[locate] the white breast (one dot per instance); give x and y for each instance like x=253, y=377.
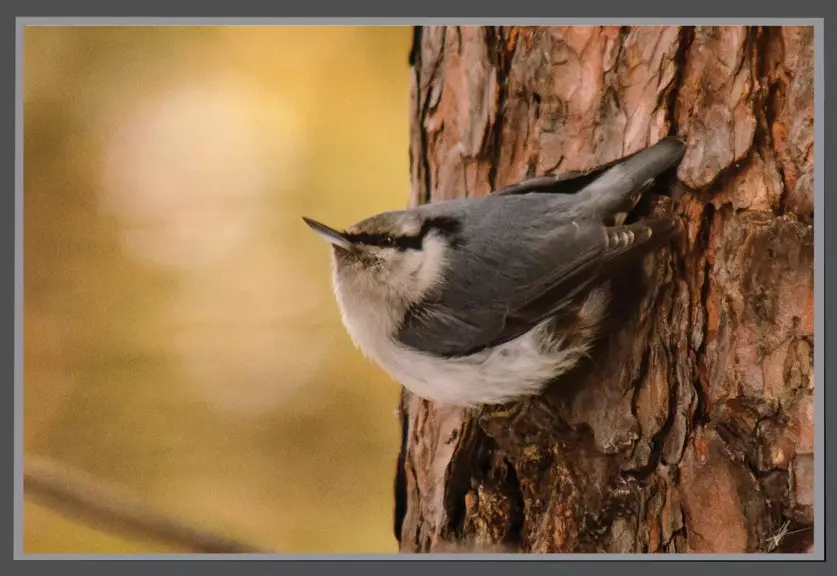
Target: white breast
x=520, y=367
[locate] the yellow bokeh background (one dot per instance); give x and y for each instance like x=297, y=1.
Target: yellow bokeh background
x=180, y=335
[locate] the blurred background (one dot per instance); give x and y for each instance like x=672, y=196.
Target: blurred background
x=181, y=340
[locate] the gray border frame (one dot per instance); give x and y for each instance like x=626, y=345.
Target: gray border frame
x=648, y=563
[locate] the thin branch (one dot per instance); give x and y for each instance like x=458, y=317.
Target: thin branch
x=88, y=499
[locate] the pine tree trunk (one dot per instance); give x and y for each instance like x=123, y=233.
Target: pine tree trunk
x=691, y=429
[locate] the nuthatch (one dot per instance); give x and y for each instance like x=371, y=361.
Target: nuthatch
x=481, y=301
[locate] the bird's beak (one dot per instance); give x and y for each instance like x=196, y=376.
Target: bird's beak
x=330, y=235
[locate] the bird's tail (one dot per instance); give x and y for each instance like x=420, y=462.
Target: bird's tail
x=619, y=186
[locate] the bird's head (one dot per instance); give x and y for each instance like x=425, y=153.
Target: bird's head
x=398, y=254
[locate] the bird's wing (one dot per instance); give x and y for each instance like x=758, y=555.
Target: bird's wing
x=507, y=298
x=568, y=182
x=619, y=177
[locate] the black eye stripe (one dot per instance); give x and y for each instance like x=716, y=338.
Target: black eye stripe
x=448, y=227
x=400, y=242
x=372, y=239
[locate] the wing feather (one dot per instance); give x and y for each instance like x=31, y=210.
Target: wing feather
x=507, y=300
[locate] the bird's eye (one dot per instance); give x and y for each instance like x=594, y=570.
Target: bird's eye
x=389, y=241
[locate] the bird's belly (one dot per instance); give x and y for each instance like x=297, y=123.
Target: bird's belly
x=520, y=367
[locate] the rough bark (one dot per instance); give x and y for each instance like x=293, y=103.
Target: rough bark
x=691, y=429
